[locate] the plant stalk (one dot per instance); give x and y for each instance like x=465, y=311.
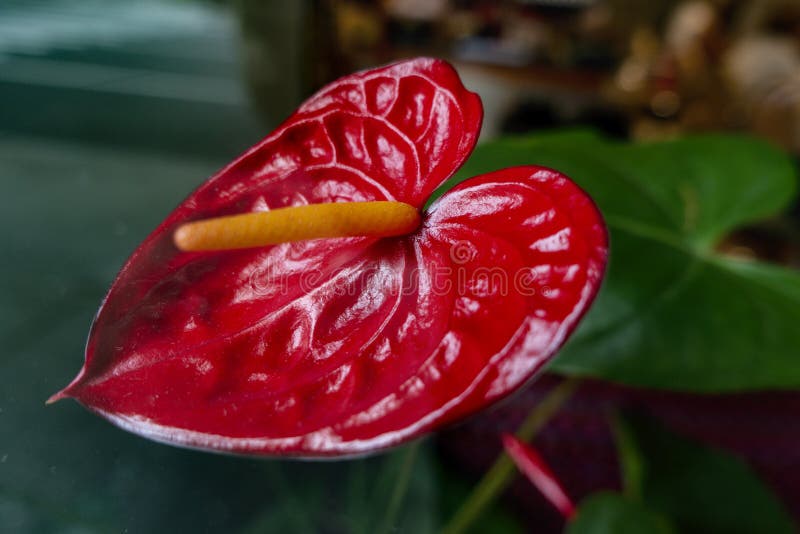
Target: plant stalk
x=400, y=488
x=499, y=475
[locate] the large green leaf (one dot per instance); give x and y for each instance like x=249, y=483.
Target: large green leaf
x=611, y=513
x=673, y=313
x=702, y=490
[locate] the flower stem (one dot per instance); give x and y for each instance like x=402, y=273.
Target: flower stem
x=499, y=475
x=400, y=488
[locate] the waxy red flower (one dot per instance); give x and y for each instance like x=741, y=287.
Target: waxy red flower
x=347, y=345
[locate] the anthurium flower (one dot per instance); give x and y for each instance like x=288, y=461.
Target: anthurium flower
x=348, y=343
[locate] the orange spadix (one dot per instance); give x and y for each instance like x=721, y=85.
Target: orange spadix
x=298, y=223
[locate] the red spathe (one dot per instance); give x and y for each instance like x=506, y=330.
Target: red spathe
x=344, y=346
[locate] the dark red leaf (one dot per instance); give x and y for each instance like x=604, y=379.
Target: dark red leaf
x=342, y=346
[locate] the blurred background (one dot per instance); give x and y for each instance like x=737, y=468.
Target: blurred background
x=210, y=77
x=111, y=111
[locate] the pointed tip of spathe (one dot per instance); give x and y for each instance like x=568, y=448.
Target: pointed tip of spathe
x=56, y=397
x=69, y=391
x=62, y=394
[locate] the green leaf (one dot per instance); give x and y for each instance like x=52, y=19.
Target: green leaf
x=611, y=513
x=673, y=313
x=703, y=490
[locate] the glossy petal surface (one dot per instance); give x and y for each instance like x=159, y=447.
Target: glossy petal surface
x=343, y=346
